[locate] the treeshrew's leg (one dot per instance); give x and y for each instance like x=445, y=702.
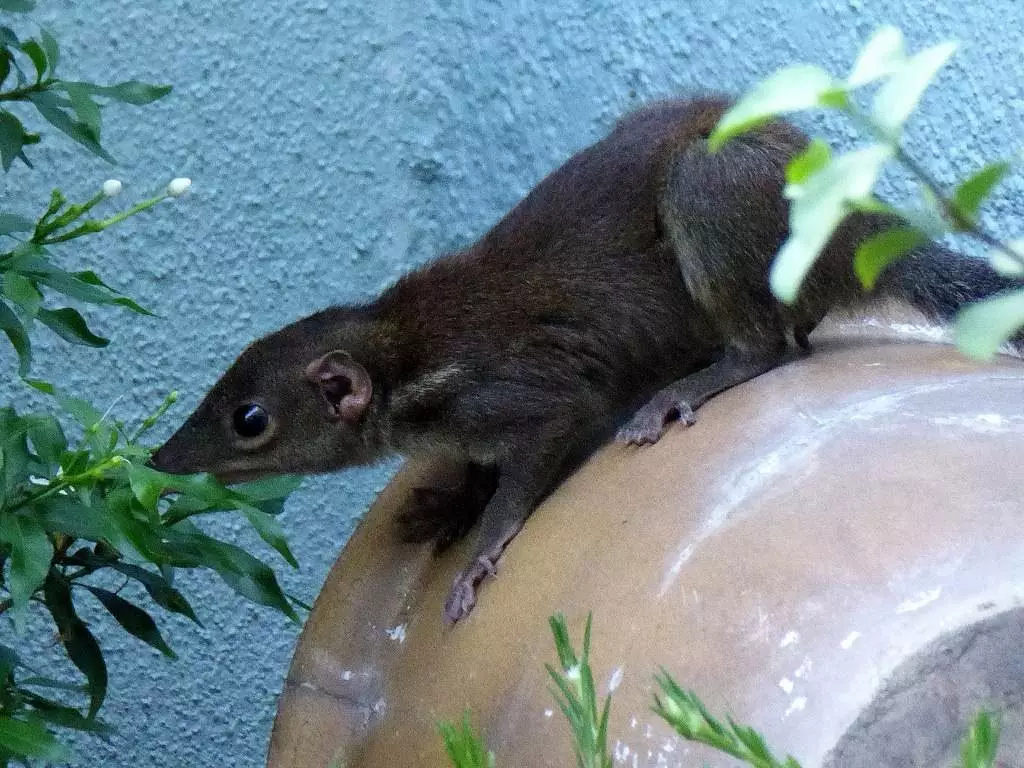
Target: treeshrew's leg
x=679, y=400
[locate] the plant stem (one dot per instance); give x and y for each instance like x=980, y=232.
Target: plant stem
x=98, y=225
x=19, y=94
x=949, y=209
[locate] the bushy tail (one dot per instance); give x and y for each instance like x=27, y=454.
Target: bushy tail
x=939, y=282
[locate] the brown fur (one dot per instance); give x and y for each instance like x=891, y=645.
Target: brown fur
x=641, y=261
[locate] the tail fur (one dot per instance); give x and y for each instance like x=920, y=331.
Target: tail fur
x=939, y=282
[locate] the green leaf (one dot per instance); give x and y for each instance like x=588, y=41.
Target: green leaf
x=70, y=326
x=132, y=619
x=8, y=663
x=880, y=250
x=83, y=286
x=91, y=278
x=984, y=326
x=163, y=594
x=31, y=554
x=68, y=515
x=12, y=139
x=972, y=193
x=5, y=64
x=14, y=447
x=12, y=222
x=22, y=292
x=881, y=56
x=35, y=51
x=63, y=716
x=30, y=739
x=86, y=110
x=464, y=746
x=980, y=744
x=49, y=107
x=16, y=334
x=46, y=436
x=17, y=6
x=789, y=90
x=899, y=95
x=271, y=532
x=147, y=484
x=246, y=575
x=51, y=49
x=807, y=163
x=818, y=206
x=275, y=487
x=82, y=411
x=81, y=646
x=130, y=92
x=1006, y=265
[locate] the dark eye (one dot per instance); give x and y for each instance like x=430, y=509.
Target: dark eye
x=251, y=420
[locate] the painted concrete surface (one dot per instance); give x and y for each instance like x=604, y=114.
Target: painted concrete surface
x=333, y=145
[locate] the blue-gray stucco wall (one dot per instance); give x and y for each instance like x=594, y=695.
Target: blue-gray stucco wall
x=334, y=145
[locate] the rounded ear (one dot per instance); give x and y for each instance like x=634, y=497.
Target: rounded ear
x=343, y=384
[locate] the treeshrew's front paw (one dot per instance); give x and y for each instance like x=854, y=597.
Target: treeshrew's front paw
x=650, y=422
x=462, y=597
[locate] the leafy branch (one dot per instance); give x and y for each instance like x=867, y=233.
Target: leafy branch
x=824, y=189
x=72, y=107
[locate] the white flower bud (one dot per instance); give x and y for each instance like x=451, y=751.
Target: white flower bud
x=178, y=187
x=111, y=188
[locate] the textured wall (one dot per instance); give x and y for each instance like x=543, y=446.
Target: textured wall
x=333, y=145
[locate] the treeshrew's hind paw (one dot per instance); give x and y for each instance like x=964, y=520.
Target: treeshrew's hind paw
x=650, y=422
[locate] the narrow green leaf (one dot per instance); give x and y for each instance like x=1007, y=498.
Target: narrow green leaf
x=246, y=575
x=818, y=206
x=91, y=278
x=984, y=326
x=80, y=410
x=31, y=554
x=46, y=436
x=130, y=92
x=68, y=515
x=271, y=532
x=1007, y=265
x=132, y=619
x=86, y=110
x=14, y=468
x=70, y=326
x=789, y=90
x=972, y=193
x=50, y=108
x=163, y=594
x=30, y=739
x=62, y=716
x=980, y=744
x=12, y=222
x=880, y=250
x=8, y=663
x=51, y=49
x=807, y=163
x=17, y=6
x=269, y=488
x=16, y=334
x=81, y=646
x=5, y=64
x=900, y=94
x=35, y=52
x=881, y=56
x=12, y=139
x=22, y=292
